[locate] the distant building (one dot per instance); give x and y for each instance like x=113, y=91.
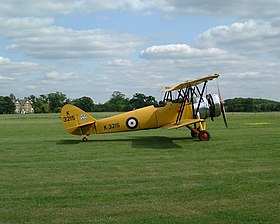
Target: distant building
x=23, y=106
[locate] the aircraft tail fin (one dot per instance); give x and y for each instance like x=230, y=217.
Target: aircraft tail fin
x=76, y=121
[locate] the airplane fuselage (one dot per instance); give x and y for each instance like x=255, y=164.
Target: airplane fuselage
x=140, y=119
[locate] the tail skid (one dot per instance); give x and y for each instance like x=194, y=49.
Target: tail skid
x=76, y=121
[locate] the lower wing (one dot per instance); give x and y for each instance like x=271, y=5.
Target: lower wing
x=182, y=123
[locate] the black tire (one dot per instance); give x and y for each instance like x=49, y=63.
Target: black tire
x=84, y=139
x=204, y=136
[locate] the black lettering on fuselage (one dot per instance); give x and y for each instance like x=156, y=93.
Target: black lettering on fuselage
x=111, y=126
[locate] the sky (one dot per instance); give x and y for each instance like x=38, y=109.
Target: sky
x=93, y=48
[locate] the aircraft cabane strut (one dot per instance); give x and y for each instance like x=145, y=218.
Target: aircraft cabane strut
x=187, y=95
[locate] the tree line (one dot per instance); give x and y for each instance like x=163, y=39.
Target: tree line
x=251, y=105
x=53, y=102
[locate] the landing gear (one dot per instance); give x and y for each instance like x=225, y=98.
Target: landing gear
x=194, y=130
x=204, y=136
x=193, y=134
x=199, y=132
x=84, y=139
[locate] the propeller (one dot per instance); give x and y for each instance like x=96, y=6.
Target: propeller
x=212, y=106
x=222, y=106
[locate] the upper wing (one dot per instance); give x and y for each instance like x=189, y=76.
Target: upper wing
x=183, y=123
x=190, y=83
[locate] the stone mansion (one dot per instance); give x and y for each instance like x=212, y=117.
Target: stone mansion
x=23, y=106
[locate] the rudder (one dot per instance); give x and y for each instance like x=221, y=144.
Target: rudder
x=76, y=121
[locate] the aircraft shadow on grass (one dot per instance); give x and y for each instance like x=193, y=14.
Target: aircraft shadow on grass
x=152, y=142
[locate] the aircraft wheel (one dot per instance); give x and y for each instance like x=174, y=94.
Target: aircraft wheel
x=204, y=136
x=85, y=139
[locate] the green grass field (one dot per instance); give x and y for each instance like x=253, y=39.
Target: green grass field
x=155, y=176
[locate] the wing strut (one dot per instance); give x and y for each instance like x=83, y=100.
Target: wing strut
x=182, y=107
x=200, y=100
x=167, y=97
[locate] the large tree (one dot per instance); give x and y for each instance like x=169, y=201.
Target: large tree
x=140, y=100
x=56, y=101
x=85, y=103
x=40, y=104
x=7, y=106
x=118, y=102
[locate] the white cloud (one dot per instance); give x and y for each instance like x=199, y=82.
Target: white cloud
x=25, y=78
x=125, y=5
x=39, y=38
x=13, y=69
x=66, y=7
x=16, y=76
x=62, y=76
x=181, y=58
x=118, y=62
x=246, y=9
x=255, y=84
x=16, y=8
x=5, y=78
x=248, y=38
x=180, y=51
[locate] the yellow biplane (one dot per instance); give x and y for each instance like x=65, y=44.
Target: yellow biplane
x=184, y=105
